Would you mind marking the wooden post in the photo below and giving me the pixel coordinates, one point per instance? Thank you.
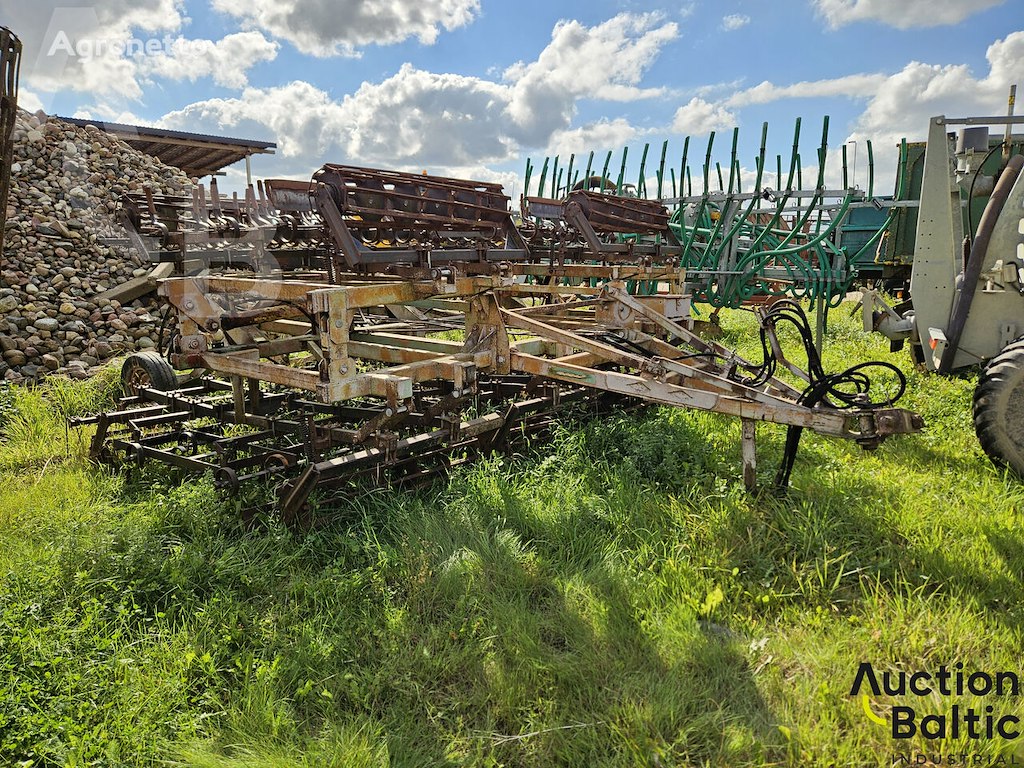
(748, 429)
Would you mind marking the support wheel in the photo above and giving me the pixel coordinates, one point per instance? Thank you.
(147, 369)
(999, 408)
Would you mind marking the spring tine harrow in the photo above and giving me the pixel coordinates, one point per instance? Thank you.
(421, 327)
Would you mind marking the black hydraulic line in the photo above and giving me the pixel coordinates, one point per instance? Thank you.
(970, 191)
(821, 389)
(824, 389)
(965, 297)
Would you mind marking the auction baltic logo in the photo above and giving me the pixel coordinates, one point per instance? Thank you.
(972, 722)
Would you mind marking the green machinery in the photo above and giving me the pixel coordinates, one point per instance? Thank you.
(967, 276)
(952, 234)
(748, 237)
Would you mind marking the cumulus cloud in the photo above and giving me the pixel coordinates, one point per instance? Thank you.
(734, 21)
(699, 117)
(607, 62)
(604, 134)
(109, 48)
(226, 61)
(28, 100)
(341, 27)
(417, 119)
(70, 44)
(897, 106)
(903, 14)
(903, 104)
(852, 86)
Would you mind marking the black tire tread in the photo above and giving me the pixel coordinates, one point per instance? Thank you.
(999, 379)
(161, 374)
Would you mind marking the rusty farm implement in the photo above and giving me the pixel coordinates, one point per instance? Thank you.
(388, 325)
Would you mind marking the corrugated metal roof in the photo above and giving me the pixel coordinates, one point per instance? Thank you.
(196, 154)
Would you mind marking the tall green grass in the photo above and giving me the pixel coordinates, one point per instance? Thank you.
(611, 598)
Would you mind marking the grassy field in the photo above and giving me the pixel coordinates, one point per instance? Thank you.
(613, 598)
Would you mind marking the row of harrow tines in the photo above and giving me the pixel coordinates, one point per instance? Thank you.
(745, 234)
(271, 230)
(436, 330)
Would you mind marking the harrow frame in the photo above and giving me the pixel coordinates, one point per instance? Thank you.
(432, 333)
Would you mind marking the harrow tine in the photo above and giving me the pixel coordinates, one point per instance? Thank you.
(733, 163)
(543, 176)
(661, 168)
(622, 172)
(871, 172)
(641, 183)
(707, 163)
(683, 168)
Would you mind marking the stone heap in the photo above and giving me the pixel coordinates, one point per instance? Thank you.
(63, 249)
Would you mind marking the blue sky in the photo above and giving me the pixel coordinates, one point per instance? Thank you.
(473, 87)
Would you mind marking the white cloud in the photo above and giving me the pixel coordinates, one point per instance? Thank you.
(300, 117)
(607, 62)
(427, 118)
(897, 106)
(699, 117)
(110, 48)
(904, 103)
(76, 46)
(226, 61)
(902, 14)
(734, 21)
(602, 135)
(412, 119)
(341, 27)
(417, 119)
(851, 86)
(28, 100)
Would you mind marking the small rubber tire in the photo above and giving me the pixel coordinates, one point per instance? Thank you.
(999, 408)
(147, 369)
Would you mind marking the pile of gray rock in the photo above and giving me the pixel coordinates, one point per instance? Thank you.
(63, 249)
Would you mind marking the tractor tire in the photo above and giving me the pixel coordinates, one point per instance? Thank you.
(999, 408)
(147, 369)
